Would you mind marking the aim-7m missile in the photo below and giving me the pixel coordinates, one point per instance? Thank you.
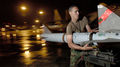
(79, 38)
(109, 30)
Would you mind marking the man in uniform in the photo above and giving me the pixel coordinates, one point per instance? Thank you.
(76, 26)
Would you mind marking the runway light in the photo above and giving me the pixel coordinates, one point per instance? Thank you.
(2, 29)
(23, 7)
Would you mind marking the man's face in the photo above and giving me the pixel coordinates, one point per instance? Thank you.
(74, 12)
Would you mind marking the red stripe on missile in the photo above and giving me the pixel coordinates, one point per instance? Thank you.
(104, 16)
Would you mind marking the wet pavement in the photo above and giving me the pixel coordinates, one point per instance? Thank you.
(25, 48)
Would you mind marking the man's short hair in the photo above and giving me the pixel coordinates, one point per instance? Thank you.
(70, 8)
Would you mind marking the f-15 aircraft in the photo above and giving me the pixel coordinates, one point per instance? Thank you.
(109, 32)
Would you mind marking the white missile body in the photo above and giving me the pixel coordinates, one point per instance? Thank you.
(79, 38)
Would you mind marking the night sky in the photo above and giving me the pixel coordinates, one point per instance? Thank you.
(9, 9)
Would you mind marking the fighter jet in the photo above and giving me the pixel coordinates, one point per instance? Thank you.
(106, 41)
(109, 30)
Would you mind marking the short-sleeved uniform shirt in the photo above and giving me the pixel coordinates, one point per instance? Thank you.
(72, 27)
(79, 26)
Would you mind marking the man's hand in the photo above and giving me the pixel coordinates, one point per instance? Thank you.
(91, 30)
(95, 30)
(86, 47)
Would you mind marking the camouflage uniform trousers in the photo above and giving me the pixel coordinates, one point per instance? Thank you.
(75, 58)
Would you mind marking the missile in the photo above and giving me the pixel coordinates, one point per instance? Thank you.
(79, 38)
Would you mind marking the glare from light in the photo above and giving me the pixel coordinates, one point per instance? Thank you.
(27, 54)
(25, 41)
(43, 41)
(41, 27)
(38, 36)
(37, 21)
(7, 25)
(44, 52)
(13, 25)
(14, 35)
(26, 48)
(33, 25)
(44, 44)
(3, 33)
(33, 31)
(41, 12)
(23, 7)
(26, 45)
(38, 30)
(8, 35)
(2, 29)
(27, 58)
(17, 30)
